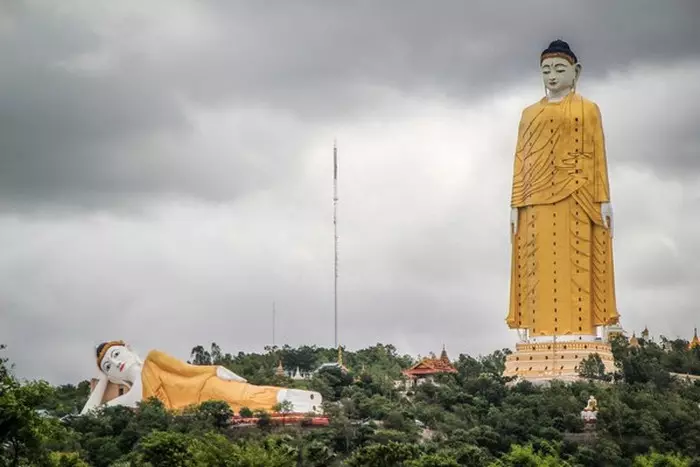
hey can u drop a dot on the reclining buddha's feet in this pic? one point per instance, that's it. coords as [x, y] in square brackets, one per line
[302, 401]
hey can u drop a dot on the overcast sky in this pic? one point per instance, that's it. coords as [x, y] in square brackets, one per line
[166, 169]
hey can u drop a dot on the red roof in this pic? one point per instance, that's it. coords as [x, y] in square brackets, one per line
[431, 366]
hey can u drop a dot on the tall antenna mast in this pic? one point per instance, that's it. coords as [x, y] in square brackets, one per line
[274, 318]
[335, 243]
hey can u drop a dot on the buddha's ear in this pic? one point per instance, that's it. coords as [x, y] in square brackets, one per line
[577, 69]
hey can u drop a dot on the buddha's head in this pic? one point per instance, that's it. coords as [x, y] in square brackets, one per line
[117, 361]
[559, 67]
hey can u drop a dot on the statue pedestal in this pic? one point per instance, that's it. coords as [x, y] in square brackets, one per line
[542, 362]
[589, 420]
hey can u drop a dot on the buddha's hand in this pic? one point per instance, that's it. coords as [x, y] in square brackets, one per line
[606, 212]
[228, 375]
[514, 220]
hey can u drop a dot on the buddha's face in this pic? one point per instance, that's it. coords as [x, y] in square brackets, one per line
[559, 74]
[118, 363]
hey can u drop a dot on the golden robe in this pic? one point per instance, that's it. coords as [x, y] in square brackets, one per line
[562, 278]
[178, 384]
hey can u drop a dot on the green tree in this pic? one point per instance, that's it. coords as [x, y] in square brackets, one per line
[526, 456]
[215, 450]
[390, 454]
[656, 459]
[200, 356]
[592, 367]
[66, 459]
[433, 460]
[318, 454]
[216, 414]
[166, 449]
[23, 430]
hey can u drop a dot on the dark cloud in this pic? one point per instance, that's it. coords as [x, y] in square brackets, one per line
[454, 48]
[86, 104]
[114, 109]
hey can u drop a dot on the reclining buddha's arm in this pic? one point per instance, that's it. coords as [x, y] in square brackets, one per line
[188, 370]
[95, 399]
[228, 375]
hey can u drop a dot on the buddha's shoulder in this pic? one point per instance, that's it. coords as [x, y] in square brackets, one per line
[158, 355]
[575, 97]
[587, 103]
[534, 107]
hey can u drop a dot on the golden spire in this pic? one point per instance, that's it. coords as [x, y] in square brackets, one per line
[695, 342]
[340, 356]
[645, 333]
[443, 355]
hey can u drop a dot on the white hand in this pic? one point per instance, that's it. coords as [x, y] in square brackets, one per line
[228, 375]
[514, 220]
[129, 399]
[606, 211]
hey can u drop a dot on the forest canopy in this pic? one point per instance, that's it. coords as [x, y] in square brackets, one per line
[649, 415]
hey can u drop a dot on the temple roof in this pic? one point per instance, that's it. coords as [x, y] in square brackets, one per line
[695, 342]
[431, 366]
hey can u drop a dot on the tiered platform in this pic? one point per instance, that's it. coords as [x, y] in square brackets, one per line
[542, 362]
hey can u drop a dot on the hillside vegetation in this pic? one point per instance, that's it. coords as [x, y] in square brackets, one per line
[647, 417]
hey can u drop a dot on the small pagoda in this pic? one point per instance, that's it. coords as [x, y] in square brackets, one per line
[279, 371]
[645, 334]
[337, 364]
[426, 369]
[634, 342]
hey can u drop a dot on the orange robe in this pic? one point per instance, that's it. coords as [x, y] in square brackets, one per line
[562, 278]
[178, 384]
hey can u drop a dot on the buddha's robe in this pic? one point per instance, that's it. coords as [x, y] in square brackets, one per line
[178, 384]
[562, 278]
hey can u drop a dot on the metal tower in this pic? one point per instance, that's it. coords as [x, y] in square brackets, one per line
[335, 243]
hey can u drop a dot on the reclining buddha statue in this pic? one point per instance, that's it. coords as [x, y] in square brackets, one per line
[178, 384]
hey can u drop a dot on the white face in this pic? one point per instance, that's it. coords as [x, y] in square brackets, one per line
[558, 74]
[117, 362]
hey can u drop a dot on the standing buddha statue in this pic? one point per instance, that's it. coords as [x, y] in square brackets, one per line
[562, 285]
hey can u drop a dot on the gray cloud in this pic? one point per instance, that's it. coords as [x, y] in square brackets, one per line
[164, 180]
[87, 99]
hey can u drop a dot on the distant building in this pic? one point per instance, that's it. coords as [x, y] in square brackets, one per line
[337, 364]
[614, 331]
[426, 369]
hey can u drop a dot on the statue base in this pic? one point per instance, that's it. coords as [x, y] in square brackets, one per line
[547, 361]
